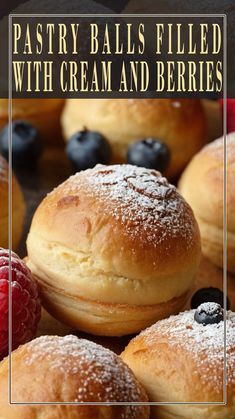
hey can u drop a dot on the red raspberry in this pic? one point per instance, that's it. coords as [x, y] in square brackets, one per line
[230, 114]
[26, 306]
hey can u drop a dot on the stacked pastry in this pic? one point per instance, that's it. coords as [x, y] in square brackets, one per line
[114, 249]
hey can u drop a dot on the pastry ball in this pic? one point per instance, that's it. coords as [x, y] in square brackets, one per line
[68, 369]
[44, 114]
[114, 248]
[181, 360]
[202, 185]
[180, 124]
[18, 208]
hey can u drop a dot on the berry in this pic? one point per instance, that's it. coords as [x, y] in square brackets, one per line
[26, 307]
[230, 113]
[87, 148]
[205, 295]
[26, 144]
[209, 313]
[149, 153]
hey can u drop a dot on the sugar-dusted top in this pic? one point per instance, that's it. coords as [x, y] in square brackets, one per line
[139, 198]
[205, 343]
[97, 367]
[216, 148]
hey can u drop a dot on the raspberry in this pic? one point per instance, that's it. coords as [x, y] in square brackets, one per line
[26, 306]
[230, 114]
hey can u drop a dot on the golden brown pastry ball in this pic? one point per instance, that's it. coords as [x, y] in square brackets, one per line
[202, 185]
[68, 369]
[180, 124]
[114, 249]
[18, 207]
[180, 360]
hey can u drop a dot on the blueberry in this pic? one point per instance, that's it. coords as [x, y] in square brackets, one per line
[26, 144]
[210, 294]
[149, 153]
[209, 313]
[87, 148]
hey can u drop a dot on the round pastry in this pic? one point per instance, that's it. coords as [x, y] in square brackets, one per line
[181, 359]
[67, 369]
[180, 124]
[44, 114]
[202, 185]
[18, 207]
[114, 248]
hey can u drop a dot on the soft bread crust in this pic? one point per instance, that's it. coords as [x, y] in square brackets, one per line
[102, 318]
[178, 123]
[44, 114]
[119, 236]
[202, 185]
[18, 207]
[68, 369]
[177, 360]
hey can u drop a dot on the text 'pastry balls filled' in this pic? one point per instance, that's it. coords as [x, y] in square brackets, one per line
[114, 248]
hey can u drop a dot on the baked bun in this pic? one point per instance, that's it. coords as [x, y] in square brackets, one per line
[178, 123]
[18, 207]
[68, 369]
[180, 360]
[202, 185]
[44, 114]
[114, 249]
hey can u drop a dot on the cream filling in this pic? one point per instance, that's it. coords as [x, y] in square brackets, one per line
[80, 274]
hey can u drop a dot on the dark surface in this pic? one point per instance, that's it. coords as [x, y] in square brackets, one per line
[52, 169]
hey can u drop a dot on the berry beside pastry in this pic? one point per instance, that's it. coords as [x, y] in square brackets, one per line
[26, 307]
[18, 207]
[179, 125]
[210, 285]
[85, 149]
[26, 144]
[44, 114]
[114, 249]
[209, 294]
[181, 359]
[68, 369]
[149, 153]
[202, 185]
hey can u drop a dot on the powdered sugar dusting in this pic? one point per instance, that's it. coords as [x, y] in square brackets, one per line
[140, 199]
[97, 367]
[205, 343]
[216, 148]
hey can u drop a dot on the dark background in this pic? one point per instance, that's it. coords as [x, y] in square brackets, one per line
[140, 6]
